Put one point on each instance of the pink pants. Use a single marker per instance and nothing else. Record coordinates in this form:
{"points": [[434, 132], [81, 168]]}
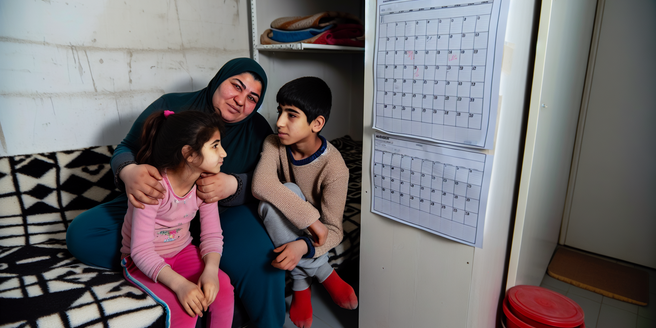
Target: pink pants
{"points": [[188, 264]]}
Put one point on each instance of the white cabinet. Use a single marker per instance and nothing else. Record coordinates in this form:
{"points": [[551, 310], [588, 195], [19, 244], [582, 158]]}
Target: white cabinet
{"points": [[341, 67]]}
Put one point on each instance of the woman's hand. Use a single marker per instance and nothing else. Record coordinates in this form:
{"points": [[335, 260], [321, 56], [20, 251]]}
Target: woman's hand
{"points": [[215, 187], [142, 184]]}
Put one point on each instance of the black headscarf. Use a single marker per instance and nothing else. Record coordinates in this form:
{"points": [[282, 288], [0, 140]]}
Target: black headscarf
{"points": [[242, 140]]}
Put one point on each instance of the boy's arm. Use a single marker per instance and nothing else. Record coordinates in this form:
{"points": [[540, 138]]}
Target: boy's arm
{"points": [[268, 187], [333, 200]]}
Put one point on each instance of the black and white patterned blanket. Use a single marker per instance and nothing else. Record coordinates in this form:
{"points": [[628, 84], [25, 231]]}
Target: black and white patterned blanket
{"points": [[43, 285]]}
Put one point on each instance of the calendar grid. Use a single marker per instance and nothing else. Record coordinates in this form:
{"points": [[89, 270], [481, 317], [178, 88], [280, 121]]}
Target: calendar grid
{"points": [[432, 73], [438, 191]]}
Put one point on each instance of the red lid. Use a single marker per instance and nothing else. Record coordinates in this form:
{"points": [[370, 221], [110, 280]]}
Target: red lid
{"points": [[545, 306]]}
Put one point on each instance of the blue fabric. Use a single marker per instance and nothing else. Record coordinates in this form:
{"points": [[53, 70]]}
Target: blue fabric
{"points": [[308, 242], [298, 35], [246, 241], [94, 237]]}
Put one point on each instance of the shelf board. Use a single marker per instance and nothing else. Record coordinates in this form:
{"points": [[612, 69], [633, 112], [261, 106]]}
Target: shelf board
{"points": [[308, 47]]}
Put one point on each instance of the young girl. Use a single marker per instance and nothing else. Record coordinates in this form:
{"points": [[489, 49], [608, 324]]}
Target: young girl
{"points": [[158, 255]]}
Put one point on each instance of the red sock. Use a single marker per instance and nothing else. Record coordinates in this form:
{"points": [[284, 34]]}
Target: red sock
{"points": [[341, 292], [300, 311]]}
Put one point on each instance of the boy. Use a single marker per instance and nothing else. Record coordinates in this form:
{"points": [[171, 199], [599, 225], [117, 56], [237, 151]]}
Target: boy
{"points": [[302, 182]]}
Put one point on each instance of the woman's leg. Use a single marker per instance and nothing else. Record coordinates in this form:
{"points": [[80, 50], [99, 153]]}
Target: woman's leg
{"points": [[94, 236], [247, 256]]}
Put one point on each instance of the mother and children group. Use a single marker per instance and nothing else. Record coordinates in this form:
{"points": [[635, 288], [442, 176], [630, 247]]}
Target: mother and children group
{"points": [[267, 203]]}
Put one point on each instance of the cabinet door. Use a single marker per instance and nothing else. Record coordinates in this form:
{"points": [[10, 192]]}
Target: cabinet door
{"points": [[613, 203], [563, 43]]}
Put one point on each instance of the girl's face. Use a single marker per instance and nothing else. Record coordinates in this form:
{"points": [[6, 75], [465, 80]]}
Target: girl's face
{"points": [[236, 97], [213, 155]]}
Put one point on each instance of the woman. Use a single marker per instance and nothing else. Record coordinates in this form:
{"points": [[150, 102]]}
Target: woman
{"points": [[94, 237]]}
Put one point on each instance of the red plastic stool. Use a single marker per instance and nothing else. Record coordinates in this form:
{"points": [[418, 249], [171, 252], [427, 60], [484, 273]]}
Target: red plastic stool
{"points": [[532, 306]]}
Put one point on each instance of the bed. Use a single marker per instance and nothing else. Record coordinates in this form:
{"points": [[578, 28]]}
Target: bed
{"points": [[43, 285]]}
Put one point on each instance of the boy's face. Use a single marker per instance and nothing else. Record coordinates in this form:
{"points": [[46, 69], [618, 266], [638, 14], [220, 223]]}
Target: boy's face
{"points": [[292, 125]]}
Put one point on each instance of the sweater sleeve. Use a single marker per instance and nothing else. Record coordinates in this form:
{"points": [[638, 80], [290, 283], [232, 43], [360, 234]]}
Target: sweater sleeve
{"points": [[268, 187], [142, 241], [211, 235]]}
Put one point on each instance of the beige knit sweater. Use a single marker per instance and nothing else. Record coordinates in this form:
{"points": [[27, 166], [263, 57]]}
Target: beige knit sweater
{"points": [[324, 182]]}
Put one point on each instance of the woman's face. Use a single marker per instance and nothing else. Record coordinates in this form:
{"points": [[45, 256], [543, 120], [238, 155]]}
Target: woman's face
{"points": [[236, 97]]}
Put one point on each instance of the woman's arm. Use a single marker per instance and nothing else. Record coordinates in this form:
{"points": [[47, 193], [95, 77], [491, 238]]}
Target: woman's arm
{"points": [[140, 182]]}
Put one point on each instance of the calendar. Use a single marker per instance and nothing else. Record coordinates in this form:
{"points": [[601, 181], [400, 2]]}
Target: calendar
{"points": [[439, 189], [437, 70]]}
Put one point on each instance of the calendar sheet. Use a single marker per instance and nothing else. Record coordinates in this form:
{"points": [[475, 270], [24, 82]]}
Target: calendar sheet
{"points": [[439, 189], [437, 69]]}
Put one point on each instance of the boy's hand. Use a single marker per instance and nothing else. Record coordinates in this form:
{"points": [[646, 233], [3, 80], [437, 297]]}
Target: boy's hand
{"points": [[290, 254], [209, 284], [191, 297], [319, 233]]}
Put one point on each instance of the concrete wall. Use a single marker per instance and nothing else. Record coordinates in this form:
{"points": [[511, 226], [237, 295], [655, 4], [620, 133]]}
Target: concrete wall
{"points": [[76, 74]]}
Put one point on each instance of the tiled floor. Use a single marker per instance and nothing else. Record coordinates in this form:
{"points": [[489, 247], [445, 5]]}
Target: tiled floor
{"points": [[603, 312], [600, 311]]}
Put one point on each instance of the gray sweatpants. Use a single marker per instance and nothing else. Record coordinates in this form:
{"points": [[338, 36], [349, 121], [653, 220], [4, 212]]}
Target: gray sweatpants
{"points": [[282, 231]]}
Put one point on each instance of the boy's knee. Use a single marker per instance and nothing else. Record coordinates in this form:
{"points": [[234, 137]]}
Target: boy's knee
{"points": [[295, 188]]}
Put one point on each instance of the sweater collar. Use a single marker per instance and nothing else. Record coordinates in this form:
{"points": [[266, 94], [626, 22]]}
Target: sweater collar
{"points": [[312, 157]]}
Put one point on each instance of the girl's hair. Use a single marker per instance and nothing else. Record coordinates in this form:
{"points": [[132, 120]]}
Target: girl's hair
{"points": [[163, 136]]}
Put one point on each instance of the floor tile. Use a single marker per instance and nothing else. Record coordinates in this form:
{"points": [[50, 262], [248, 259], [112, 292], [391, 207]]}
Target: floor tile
{"points": [[553, 282], [648, 311], [646, 323], [612, 317], [325, 309], [620, 304], [573, 290], [590, 309]]}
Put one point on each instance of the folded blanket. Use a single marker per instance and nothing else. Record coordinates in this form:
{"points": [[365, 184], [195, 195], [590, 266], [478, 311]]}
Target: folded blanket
{"points": [[341, 34], [296, 36], [316, 21]]}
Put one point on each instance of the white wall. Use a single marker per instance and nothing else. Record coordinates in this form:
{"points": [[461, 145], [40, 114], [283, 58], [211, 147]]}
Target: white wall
{"points": [[76, 74], [411, 278]]}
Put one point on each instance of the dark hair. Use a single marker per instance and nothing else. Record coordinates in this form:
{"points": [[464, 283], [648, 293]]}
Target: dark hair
{"points": [[310, 94], [162, 137]]}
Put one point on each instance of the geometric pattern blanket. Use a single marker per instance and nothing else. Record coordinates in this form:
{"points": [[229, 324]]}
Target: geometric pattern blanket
{"points": [[43, 285]]}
